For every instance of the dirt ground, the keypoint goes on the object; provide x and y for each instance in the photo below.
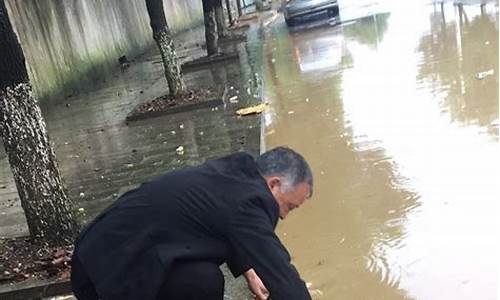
(22, 259)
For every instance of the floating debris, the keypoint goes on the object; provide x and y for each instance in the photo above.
(233, 99)
(483, 75)
(180, 150)
(257, 109)
(291, 112)
(181, 126)
(82, 194)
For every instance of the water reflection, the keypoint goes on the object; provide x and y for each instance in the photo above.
(369, 30)
(359, 208)
(405, 174)
(455, 50)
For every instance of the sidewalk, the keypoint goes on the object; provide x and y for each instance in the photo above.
(101, 156)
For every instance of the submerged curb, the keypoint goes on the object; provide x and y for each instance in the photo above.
(237, 38)
(35, 289)
(205, 61)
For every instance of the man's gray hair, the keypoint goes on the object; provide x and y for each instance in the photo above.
(287, 164)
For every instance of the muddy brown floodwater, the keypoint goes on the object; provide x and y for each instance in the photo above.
(397, 112)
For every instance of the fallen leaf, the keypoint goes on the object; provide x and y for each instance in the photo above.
(257, 109)
(180, 150)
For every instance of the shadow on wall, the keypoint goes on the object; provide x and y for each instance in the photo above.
(67, 43)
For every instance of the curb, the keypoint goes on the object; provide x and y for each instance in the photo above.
(174, 110)
(35, 289)
(211, 102)
(233, 39)
(205, 61)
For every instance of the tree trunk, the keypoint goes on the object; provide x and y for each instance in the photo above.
(238, 6)
(49, 212)
(229, 14)
(163, 38)
(210, 30)
(259, 5)
(221, 21)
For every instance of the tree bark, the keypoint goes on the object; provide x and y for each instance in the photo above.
(238, 6)
(210, 29)
(220, 19)
(163, 38)
(49, 212)
(229, 13)
(259, 5)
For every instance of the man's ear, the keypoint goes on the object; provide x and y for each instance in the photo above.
(273, 181)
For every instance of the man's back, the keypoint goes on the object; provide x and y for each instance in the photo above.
(180, 215)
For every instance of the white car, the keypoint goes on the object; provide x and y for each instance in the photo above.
(295, 9)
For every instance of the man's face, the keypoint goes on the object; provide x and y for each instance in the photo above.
(291, 199)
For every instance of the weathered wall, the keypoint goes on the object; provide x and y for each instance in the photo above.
(68, 43)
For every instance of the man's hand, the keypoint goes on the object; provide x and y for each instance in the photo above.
(256, 285)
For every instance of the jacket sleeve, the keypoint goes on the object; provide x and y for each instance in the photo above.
(255, 245)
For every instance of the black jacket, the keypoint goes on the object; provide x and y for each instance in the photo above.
(221, 211)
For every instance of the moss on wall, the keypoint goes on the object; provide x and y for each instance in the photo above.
(67, 42)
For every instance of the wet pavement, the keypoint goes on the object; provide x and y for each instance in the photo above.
(102, 156)
(397, 111)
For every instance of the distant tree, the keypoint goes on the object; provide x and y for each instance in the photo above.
(49, 211)
(220, 19)
(210, 29)
(163, 37)
(238, 7)
(259, 4)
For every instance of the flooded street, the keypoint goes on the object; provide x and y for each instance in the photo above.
(397, 111)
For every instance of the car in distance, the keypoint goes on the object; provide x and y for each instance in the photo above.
(298, 9)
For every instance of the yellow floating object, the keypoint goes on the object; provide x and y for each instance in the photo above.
(257, 109)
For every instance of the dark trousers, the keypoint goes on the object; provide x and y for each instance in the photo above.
(190, 280)
(81, 285)
(194, 280)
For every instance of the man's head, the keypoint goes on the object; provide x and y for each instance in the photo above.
(288, 176)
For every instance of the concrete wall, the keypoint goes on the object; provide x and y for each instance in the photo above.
(68, 43)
